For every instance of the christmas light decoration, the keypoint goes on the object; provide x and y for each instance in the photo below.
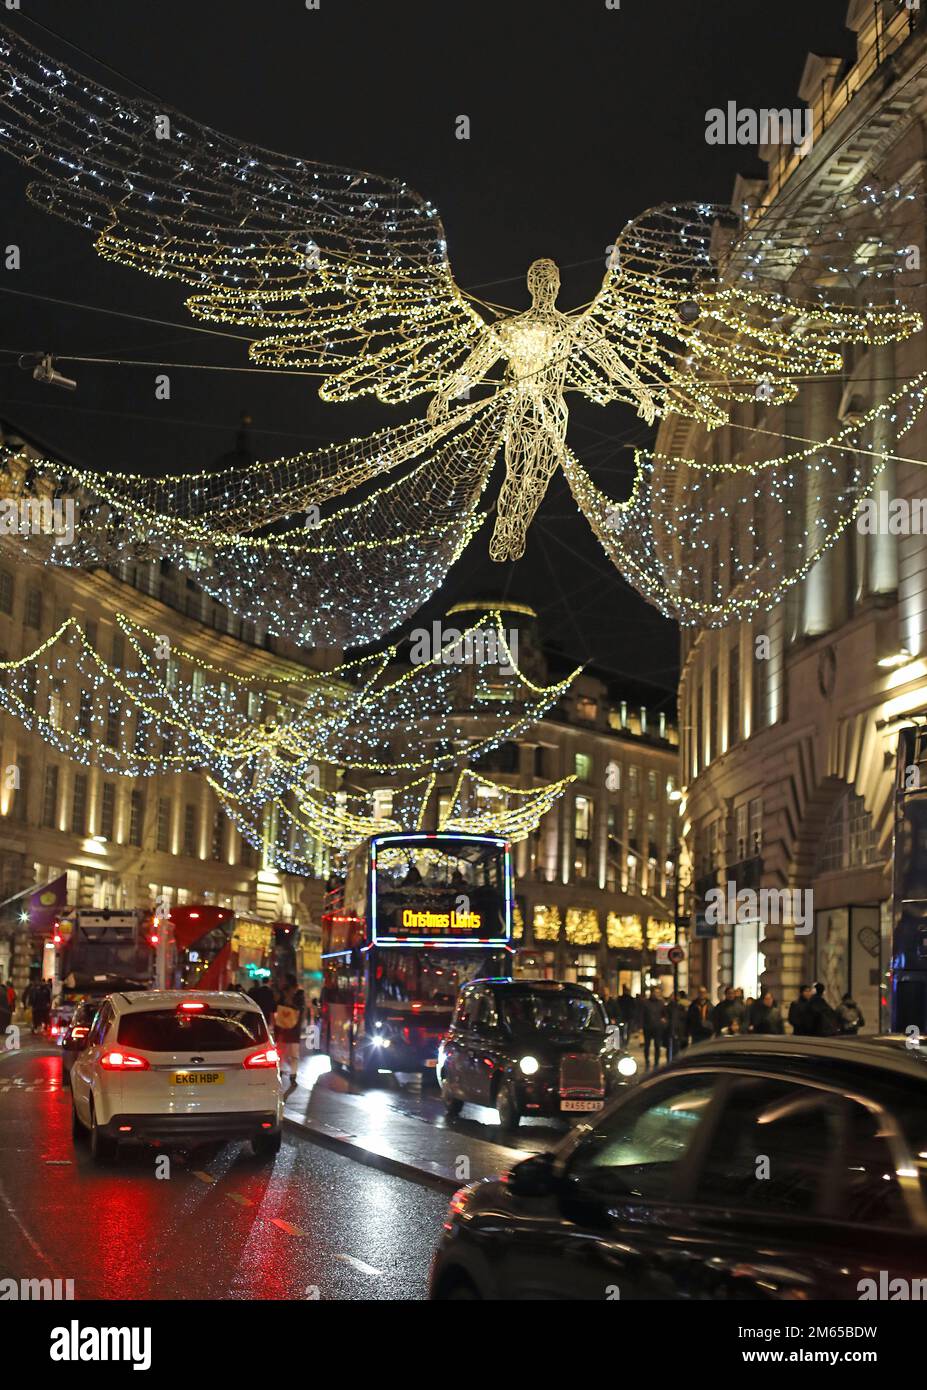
(695, 539)
(278, 748)
(346, 274)
(287, 833)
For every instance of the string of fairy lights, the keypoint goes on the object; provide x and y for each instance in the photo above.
(346, 274)
(292, 736)
(703, 311)
(667, 537)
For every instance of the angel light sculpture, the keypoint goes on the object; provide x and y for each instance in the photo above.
(346, 275)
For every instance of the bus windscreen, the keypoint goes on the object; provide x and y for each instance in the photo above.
(448, 890)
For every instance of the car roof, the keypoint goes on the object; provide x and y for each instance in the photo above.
(546, 986)
(137, 1000)
(811, 1057)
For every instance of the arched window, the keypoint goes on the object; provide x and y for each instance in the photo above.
(848, 841)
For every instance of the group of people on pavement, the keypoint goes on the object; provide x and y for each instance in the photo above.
(36, 1001)
(669, 1023)
(286, 1011)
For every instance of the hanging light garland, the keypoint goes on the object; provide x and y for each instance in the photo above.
(347, 274)
(286, 736)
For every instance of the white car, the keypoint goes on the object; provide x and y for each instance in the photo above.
(177, 1065)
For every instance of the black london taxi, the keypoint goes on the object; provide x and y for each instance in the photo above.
(766, 1168)
(530, 1048)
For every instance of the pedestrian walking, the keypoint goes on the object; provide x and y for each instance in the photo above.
(266, 1000)
(677, 1022)
(655, 1024)
(41, 1006)
(850, 1015)
(764, 1015)
(800, 1019)
(727, 1009)
(288, 1025)
(698, 1019)
(824, 1020)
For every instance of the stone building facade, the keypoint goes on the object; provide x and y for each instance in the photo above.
(790, 721)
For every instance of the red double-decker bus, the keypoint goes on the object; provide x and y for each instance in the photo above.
(419, 916)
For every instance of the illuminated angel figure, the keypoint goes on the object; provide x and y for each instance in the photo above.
(538, 347)
(346, 274)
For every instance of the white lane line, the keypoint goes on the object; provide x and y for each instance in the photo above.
(359, 1265)
(37, 1249)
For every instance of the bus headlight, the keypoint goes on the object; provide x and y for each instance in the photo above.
(529, 1065)
(627, 1066)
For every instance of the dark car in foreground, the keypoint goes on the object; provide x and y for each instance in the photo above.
(751, 1168)
(530, 1047)
(73, 1032)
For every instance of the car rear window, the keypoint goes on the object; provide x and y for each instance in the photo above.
(213, 1030)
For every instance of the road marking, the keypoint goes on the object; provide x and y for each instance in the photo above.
(203, 1177)
(359, 1264)
(237, 1197)
(285, 1226)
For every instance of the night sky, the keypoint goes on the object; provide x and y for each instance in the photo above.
(580, 116)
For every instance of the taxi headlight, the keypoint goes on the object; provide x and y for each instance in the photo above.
(627, 1066)
(529, 1065)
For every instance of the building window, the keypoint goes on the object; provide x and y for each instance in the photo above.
(6, 592)
(113, 723)
(582, 835)
(758, 692)
(698, 746)
(198, 683)
(108, 810)
(140, 741)
(189, 830)
(90, 633)
(652, 785)
(849, 840)
(741, 831)
(50, 797)
(79, 805)
(33, 614)
(84, 713)
(755, 827)
(164, 825)
(55, 706)
(733, 696)
(583, 767)
(119, 651)
(27, 690)
(217, 836)
(634, 781)
(383, 803)
(21, 792)
(713, 749)
(136, 816)
(586, 708)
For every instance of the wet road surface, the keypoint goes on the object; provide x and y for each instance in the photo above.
(222, 1225)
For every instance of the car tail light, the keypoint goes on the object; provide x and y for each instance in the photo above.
(267, 1057)
(54, 1030)
(119, 1060)
(79, 1031)
(457, 1205)
(190, 1006)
